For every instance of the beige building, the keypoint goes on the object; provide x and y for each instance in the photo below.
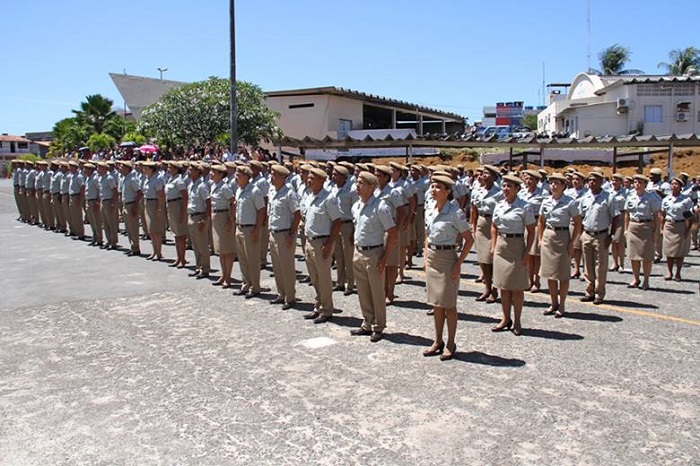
(621, 105)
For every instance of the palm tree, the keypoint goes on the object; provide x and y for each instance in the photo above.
(613, 60)
(683, 62)
(95, 111)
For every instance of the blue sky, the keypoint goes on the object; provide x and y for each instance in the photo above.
(455, 55)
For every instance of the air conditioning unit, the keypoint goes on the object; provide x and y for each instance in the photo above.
(622, 105)
(681, 116)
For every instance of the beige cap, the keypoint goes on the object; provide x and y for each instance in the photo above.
(513, 179)
(398, 166)
(384, 169)
(369, 178)
(557, 176)
(640, 177)
(492, 169)
(280, 170)
(245, 170)
(256, 164)
(446, 180)
(596, 174)
(341, 170)
(656, 171)
(533, 173)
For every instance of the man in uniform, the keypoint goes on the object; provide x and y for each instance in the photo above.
(92, 197)
(260, 181)
(373, 219)
(662, 189)
(250, 216)
(65, 196)
(284, 221)
(601, 215)
(343, 251)
(76, 191)
(30, 193)
(108, 201)
(56, 207)
(322, 227)
(199, 216)
(397, 205)
(131, 195)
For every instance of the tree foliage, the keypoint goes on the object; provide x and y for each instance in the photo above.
(613, 60)
(199, 113)
(118, 126)
(682, 62)
(95, 111)
(69, 134)
(530, 121)
(101, 142)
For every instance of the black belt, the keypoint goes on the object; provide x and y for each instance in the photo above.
(93, 199)
(537, 216)
(419, 205)
(173, 200)
(281, 231)
(367, 248)
(151, 198)
(485, 215)
(73, 195)
(107, 200)
(557, 228)
(646, 220)
(679, 221)
(129, 203)
(441, 247)
(346, 221)
(240, 225)
(196, 213)
(511, 235)
(311, 238)
(596, 233)
(220, 210)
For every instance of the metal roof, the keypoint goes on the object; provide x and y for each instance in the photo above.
(460, 141)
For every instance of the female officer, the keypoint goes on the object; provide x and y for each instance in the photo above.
(533, 194)
(557, 212)
(512, 218)
(485, 202)
(444, 222)
(154, 192)
(222, 218)
(676, 222)
(641, 223)
(176, 200)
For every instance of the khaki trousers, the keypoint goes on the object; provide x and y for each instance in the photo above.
(65, 211)
(32, 206)
(265, 242)
(248, 258)
(199, 235)
(419, 227)
(77, 227)
(57, 209)
(41, 212)
(370, 289)
(23, 205)
(50, 221)
(344, 255)
(131, 225)
(95, 219)
(595, 263)
(110, 217)
(282, 256)
(18, 200)
(320, 274)
(142, 215)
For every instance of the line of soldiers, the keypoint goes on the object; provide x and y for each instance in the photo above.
(367, 220)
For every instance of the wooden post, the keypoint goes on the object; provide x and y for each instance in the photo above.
(669, 164)
(510, 158)
(614, 160)
(541, 156)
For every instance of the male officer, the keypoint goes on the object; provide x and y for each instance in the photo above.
(108, 212)
(343, 252)
(250, 215)
(92, 197)
(130, 189)
(322, 227)
(601, 215)
(284, 221)
(55, 190)
(372, 218)
(397, 205)
(65, 195)
(259, 180)
(76, 191)
(199, 216)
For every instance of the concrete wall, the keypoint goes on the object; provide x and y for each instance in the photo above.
(317, 121)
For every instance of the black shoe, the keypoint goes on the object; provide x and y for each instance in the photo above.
(202, 275)
(376, 336)
(587, 299)
(360, 332)
(286, 306)
(598, 301)
(134, 253)
(322, 319)
(440, 348)
(348, 292)
(277, 301)
(312, 315)
(502, 328)
(252, 294)
(339, 288)
(193, 274)
(306, 279)
(241, 292)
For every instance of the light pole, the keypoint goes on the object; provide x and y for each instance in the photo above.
(232, 96)
(672, 118)
(162, 70)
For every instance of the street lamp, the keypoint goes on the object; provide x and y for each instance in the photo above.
(162, 70)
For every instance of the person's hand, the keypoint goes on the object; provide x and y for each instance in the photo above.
(524, 258)
(456, 269)
(326, 250)
(608, 242)
(381, 264)
(229, 227)
(571, 250)
(290, 240)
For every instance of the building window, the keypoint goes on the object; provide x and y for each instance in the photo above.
(23, 145)
(653, 114)
(293, 106)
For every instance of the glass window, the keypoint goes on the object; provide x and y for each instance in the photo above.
(653, 114)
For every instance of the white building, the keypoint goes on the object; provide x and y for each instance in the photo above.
(621, 105)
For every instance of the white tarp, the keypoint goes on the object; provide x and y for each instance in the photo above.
(564, 155)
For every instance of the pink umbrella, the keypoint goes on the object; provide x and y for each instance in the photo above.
(148, 148)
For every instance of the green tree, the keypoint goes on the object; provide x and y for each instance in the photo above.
(136, 137)
(613, 60)
(118, 126)
(199, 113)
(682, 62)
(101, 142)
(69, 134)
(95, 112)
(530, 121)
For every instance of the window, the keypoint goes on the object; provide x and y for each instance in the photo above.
(653, 114)
(22, 145)
(293, 106)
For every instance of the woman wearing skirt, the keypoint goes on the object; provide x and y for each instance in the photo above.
(533, 195)
(154, 193)
(176, 201)
(677, 221)
(512, 219)
(481, 218)
(222, 218)
(641, 223)
(557, 212)
(444, 223)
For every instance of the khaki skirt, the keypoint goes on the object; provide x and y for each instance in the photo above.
(483, 240)
(618, 236)
(154, 223)
(224, 242)
(640, 244)
(555, 263)
(509, 273)
(442, 290)
(178, 228)
(675, 245)
(577, 243)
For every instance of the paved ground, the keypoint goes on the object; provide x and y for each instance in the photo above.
(106, 359)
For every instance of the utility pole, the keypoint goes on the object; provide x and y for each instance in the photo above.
(234, 104)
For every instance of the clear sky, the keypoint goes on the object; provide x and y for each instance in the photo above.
(454, 55)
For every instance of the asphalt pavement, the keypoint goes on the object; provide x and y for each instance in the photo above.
(107, 359)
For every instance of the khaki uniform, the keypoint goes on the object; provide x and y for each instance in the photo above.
(249, 200)
(108, 211)
(598, 212)
(283, 204)
(198, 223)
(130, 189)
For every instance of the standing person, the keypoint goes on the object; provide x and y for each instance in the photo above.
(284, 221)
(176, 208)
(30, 193)
(250, 216)
(372, 219)
(662, 189)
(39, 183)
(618, 245)
(577, 190)
(600, 217)
(259, 180)
(65, 197)
(343, 251)
(642, 209)
(222, 218)
(76, 191)
(420, 184)
(56, 208)
(677, 221)
(108, 210)
(130, 188)
(322, 227)
(557, 212)
(513, 222)
(154, 192)
(444, 223)
(92, 198)
(398, 182)
(533, 194)
(484, 202)
(397, 204)
(16, 171)
(199, 215)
